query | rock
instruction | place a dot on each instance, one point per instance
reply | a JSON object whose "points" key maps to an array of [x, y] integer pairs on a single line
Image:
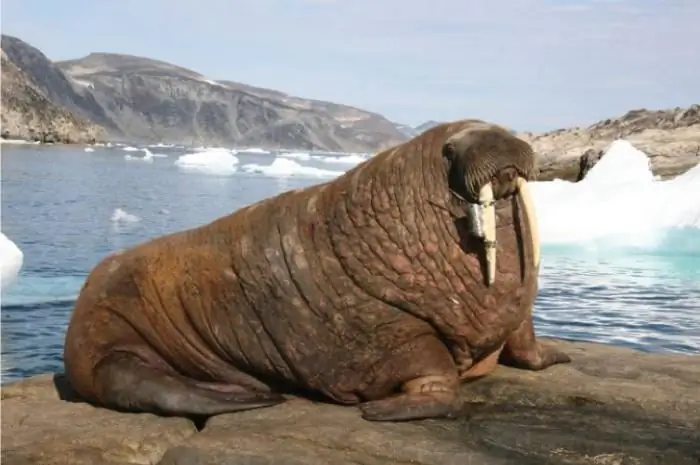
{"points": [[44, 423], [28, 114], [58, 88], [609, 406], [671, 139], [587, 161]]}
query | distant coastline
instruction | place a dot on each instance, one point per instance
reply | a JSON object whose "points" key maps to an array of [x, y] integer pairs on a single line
{"points": [[671, 139], [101, 97]]}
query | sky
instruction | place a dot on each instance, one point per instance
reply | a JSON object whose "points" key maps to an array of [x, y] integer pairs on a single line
{"points": [[527, 64]]}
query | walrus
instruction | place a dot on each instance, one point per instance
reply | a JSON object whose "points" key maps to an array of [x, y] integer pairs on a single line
{"points": [[384, 288]]}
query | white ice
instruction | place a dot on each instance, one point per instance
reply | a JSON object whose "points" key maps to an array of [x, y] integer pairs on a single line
{"points": [[161, 145], [284, 167], [11, 260], [130, 149], [89, 149], [352, 159], [122, 216], [217, 161], [296, 155], [255, 150], [618, 203], [148, 156], [18, 141]]}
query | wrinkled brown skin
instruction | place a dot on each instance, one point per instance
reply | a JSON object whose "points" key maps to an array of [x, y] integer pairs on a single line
{"points": [[366, 290]]}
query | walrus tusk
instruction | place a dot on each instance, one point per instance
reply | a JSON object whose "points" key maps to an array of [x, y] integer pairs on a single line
{"points": [[529, 208], [483, 225], [488, 220]]}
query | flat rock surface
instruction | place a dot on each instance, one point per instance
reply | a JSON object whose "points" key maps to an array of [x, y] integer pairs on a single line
{"points": [[609, 406], [38, 427]]}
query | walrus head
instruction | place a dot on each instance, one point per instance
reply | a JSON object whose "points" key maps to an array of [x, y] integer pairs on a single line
{"points": [[487, 163]]}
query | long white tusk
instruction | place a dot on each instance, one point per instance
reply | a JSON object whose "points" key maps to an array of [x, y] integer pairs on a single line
{"points": [[529, 207], [488, 220]]}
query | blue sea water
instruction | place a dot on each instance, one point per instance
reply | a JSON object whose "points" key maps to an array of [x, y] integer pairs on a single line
{"points": [[67, 208]]}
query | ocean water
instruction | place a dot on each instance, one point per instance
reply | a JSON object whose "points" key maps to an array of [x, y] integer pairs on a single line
{"points": [[620, 258]]}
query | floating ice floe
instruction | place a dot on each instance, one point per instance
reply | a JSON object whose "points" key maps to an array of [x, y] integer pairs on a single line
{"points": [[217, 161], [284, 167], [620, 201], [11, 260]]}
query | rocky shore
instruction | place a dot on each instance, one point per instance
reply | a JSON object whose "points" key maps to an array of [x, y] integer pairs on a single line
{"points": [[610, 406], [671, 139]]}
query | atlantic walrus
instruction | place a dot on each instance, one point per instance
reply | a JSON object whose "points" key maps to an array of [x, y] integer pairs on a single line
{"points": [[385, 287]]}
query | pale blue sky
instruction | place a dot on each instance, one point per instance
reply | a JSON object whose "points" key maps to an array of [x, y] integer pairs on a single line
{"points": [[529, 64]]}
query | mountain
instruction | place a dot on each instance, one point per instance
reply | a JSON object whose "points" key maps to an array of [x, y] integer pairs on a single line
{"points": [[143, 100], [29, 112], [410, 131], [671, 138], [427, 125], [153, 100]]}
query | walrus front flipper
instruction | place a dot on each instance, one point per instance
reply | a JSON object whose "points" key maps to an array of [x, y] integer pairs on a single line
{"points": [[129, 384], [413, 406], [428, 380], [523, 350]]}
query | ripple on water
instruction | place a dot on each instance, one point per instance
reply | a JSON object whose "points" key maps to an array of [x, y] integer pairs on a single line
{"points": [[32, 338], [640, 305]]}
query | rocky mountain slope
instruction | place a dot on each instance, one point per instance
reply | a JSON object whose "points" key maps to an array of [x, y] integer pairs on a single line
{"points": [[670, 137], [29, 113], [139, 99], [414, 131], [157, 101], [427, 125]]}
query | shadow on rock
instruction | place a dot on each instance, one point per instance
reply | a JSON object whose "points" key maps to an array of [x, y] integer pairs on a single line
{"points": [[65, 389], [575, 434]]}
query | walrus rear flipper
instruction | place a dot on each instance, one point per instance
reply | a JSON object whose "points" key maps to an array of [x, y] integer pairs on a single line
{"points": [[129, 384]]}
